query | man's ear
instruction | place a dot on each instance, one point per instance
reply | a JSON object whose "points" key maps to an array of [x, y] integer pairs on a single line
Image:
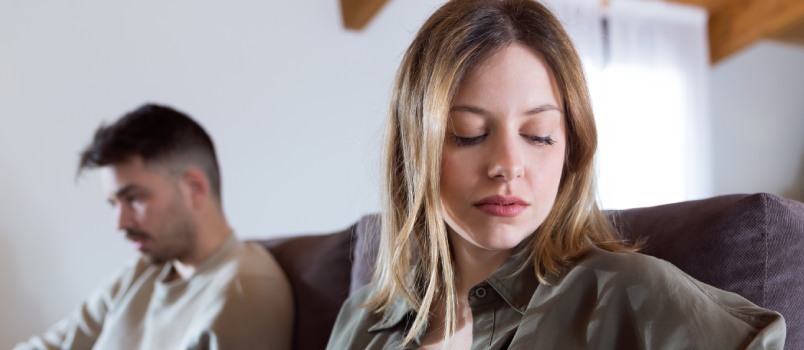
{"points": [[197, 185]]}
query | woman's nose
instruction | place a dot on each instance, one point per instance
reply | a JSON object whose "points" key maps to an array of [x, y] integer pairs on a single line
{"points": [[506, 161]]}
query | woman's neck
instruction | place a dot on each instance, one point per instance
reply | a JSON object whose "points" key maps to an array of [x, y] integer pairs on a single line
{"points": [[473, 264]]}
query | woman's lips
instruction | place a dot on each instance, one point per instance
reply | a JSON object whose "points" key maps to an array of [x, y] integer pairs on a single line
{"points": [[505, 206]]}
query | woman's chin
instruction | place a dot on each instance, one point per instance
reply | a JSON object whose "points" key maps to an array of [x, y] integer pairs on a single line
{"points": [[498, 242], [491, 236]]}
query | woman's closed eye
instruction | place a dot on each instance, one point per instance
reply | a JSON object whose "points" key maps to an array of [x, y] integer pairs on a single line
{"points": [[540, 140], [467, 140], [473, 140]]}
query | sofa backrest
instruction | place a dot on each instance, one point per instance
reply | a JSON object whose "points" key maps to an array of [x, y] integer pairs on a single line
{"points": [[319, 269], [752, 245]]}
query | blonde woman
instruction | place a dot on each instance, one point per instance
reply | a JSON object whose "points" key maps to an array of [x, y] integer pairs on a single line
{"points": [[491, 236]]}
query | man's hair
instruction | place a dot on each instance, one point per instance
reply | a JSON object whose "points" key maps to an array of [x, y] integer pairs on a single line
{"points": [[162, 136]]}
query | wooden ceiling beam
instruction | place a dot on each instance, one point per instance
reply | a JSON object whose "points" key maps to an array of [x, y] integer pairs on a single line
{"points": [[710, 5], [733, 24], [357, 13], [793, 34], [736, 24], [744, 22]]}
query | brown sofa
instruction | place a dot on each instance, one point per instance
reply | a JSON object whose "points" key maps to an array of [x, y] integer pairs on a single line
{"points": [[749, 244]]}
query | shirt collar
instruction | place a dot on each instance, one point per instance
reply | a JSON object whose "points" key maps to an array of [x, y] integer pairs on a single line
{"points": [[515, 281], [228, 245]]}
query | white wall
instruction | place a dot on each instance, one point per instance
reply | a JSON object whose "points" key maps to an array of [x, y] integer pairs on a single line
{"points": [[294, 102], [758, 121]]}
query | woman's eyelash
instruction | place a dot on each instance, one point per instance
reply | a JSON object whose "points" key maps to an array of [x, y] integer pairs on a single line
{"points": [[544, 140], [468, 141]]}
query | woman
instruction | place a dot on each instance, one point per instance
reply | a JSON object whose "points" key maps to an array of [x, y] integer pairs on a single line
{"points": [[491, 235]]}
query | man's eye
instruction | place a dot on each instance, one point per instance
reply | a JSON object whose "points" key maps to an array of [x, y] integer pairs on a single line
{"points": [[468, 141]]}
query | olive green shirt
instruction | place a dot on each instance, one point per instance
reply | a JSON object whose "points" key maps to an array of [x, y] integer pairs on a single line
{"points": [[604, 301]]}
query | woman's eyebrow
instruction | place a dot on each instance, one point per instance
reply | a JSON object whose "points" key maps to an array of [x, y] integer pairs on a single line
{"points": [[470, 109], [483, 112], [542, 108]]}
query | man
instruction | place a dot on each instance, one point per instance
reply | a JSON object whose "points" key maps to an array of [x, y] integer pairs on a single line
{"points": [[195, 286]]}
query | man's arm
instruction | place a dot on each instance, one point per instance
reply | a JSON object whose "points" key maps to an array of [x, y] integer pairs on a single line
{"points": [[78, 331], [81, 328]]}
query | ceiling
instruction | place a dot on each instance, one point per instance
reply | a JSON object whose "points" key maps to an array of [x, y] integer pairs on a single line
{"points": [[733, 24]]}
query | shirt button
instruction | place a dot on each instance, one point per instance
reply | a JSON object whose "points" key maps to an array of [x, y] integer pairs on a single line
{"points": [[480, 292]]}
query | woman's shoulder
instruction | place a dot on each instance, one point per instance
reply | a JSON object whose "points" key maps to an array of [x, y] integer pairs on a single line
{"points": [[655, 300], [354, 310], [652, 278], [359, 326], [625, 266]]}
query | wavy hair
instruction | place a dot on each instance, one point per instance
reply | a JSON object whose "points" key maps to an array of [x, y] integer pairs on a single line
{"points": [[415, 261]]}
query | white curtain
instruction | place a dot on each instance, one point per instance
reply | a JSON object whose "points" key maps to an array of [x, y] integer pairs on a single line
{"points": [[647, 65]]}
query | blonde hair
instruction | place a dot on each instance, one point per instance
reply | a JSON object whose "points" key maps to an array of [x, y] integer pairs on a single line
{"points": [[415, 260]]}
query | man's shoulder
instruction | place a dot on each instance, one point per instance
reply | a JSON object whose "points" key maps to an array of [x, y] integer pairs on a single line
{"points": [[251, 298], [253, 260], [248, 270]]}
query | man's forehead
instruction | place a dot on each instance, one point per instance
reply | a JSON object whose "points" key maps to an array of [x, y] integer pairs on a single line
{"points": [[132, 172]]}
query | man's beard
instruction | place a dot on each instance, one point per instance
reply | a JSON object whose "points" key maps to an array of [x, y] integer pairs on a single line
{"points": [[177, 242]]}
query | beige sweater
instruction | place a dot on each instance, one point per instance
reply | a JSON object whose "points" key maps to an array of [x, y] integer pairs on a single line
{"points": [[238, 299]]}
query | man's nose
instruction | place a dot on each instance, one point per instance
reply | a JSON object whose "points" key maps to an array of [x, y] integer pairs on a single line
{"points": [[124, 217], [506, 161]]}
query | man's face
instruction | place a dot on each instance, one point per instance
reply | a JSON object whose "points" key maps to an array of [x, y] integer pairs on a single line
{"points": [[151, 209]]}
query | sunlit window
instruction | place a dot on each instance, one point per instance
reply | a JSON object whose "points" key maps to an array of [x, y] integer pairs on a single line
{"points": [[647, 67], [642, 135]]}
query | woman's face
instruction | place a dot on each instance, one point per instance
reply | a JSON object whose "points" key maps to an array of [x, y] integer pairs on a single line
{"points": [[503, 152]]}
